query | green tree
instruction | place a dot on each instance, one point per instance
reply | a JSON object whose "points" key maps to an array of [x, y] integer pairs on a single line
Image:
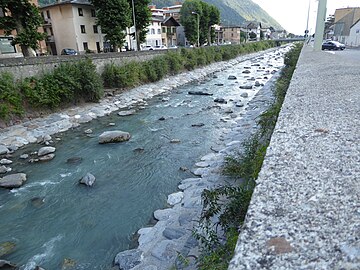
{"points": [[113, 16], [142, 19], [25, 18], [191, 12]]}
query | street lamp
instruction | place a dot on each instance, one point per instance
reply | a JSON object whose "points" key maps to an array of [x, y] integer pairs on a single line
{"points": [[320, 25], [198, 27], [135, 36]]}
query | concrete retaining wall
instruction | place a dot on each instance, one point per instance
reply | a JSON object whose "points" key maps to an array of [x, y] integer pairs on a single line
{"points": [[27, 67]]}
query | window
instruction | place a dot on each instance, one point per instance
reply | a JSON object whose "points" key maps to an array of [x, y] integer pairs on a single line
{"points": [[48, 14], [164, 29], [81, 13], [83, 30], [51, 31], [93, 13], [152, 31], [159, 31], [86, 47], [174, 30], [95, 27]]}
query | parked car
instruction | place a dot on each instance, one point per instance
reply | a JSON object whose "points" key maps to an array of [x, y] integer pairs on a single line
{"points": [[173, 47], [147, 48], [332, 45], [69, 51], [160, 47]]}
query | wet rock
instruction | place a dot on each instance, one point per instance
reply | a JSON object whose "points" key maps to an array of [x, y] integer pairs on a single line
{"points": [[24, 156], [175, 141], [175, 198], [162, 118], [246, 86], [47, 157], [111, 124], [88, 180], [165, 251], [88, 131], [183, 168], [220, 100], [246, 71], [13, 180], [43, 139], [33, 160], [68, 264], [128, 259], [139, 149], [257, 83], [228, 111], [172, 233], [3, 150], [5, 161], [219, 84], [255, 65], [126, 113], [7, 265], [244, 95], [198, 125], [46, 150], [114, 136], [37, 202], [4, 169], [7, 248], [199, 93], [232, 77], [74, 160]]}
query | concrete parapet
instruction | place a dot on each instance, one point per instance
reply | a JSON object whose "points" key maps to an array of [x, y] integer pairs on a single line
{"points": [[305, 210]]}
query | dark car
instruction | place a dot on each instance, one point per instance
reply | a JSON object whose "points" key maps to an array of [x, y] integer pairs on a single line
{"points": [[332, 45], [69, 52]]}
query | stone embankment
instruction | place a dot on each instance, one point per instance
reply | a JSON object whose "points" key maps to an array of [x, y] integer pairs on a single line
{"points": [[305, 210]]}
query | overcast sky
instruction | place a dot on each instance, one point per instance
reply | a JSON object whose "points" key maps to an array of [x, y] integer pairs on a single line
{"points": [[292, 14]]}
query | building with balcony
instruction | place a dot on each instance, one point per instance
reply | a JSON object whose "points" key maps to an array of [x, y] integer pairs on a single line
{"points": [[72, 24]]}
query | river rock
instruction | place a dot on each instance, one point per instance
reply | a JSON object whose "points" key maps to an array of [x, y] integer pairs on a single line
{"points": [[74, 160], [232, 77], [5, 161], [13, 180], [37, 202], [3, 150], [257, 83], [24, 156], [126, 113], [88, 131], [4, 169], [175, 141], [47, 157], [128, 259], [246, 87], [244, 95], [162, 118], [175, 198], [199, 93], [68, 264], [114, 136], [7, 248], [220, 100], [173, 233], [7, 265], [246, 71], [88, 180], [46, 150], [198, 125], [219, 84]]}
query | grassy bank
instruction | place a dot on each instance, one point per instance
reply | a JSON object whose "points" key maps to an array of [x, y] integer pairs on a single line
{"points": [[224, 208], [72, 83]]}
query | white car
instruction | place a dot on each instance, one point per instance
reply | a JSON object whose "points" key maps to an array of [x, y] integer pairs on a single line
{"points": [[147, 48], [160, 47]]}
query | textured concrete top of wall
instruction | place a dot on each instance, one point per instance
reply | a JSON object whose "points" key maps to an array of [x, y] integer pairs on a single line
{"points": [[305, 210]]}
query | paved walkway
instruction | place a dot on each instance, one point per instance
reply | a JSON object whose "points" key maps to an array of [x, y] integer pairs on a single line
{"points": [[305, 211]]}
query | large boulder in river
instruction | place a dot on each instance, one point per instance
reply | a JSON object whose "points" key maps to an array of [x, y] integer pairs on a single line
{"points": [[128, 259], [114, 136], [88, 180], [7, 248], [3, 150], [13, 180], [46, 150]]}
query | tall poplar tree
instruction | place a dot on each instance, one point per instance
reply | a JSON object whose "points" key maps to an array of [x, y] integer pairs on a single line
{"points": [[142, 19], [113, 16], [24, 17]]}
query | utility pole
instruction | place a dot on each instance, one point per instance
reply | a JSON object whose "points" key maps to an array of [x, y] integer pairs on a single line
{"points": [[307, 22], [320, 25], [198, 27], [135, 35]]}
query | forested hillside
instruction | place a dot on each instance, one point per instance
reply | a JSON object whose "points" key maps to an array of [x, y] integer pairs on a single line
{"points": [[233, 12]]}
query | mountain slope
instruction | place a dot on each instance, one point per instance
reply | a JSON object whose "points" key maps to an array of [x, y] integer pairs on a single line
{"points": [[233, 12]]}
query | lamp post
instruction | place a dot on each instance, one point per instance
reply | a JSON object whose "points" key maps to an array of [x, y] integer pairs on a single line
{"points": [[320, 25], [135, 36], [198, 27]]}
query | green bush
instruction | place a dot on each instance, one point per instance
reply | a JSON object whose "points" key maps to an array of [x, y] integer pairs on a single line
{"points": [[175, 62], [10, 97]]}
